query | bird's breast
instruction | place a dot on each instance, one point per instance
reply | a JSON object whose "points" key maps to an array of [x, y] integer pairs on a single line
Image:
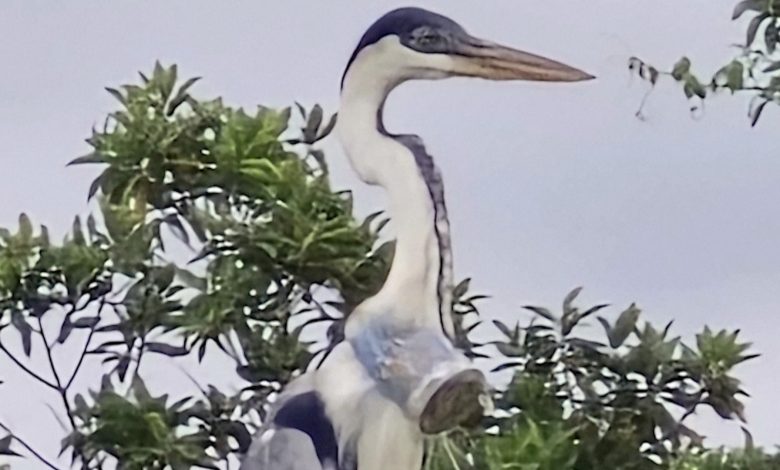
{"points": [[406, 364]]}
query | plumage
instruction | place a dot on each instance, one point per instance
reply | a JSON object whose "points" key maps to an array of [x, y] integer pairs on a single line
{"points": [[402, 23], [305, 412], [397, 375]]}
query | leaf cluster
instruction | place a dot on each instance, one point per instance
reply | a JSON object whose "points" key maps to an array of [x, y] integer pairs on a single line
{"points": [[754, 70], [581, 402]]}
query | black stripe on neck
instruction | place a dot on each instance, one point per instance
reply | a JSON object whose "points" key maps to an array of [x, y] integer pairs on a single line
{"points": [[435, 185]]}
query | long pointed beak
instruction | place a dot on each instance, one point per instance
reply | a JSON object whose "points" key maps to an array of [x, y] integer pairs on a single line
{"points": [[479, 58]]}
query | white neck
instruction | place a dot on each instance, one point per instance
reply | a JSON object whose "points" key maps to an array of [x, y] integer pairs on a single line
{"points": [[411, 294]]}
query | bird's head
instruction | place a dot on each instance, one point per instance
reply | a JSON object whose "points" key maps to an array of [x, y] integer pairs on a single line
{"points": [[413, 43]]}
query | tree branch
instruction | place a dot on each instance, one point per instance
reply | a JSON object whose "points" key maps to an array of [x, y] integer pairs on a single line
{"points": [[86, 346], [29, 371], [62, 391], [28, 447]]}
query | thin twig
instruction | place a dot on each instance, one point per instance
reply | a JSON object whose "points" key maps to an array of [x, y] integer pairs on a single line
{"points": [[26, 369], [86, 346], [28, 447], [49, 355], [62, 391]]}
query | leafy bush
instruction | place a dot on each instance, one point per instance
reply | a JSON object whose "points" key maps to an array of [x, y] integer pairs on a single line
{"points": [[273, 245], [754, 71]]}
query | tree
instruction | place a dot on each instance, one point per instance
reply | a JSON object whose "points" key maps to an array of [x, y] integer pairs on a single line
{"points": [[279, 253], [755, 70]]}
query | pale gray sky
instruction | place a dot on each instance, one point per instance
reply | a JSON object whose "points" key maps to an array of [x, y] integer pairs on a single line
{"points": [[549, 187]]}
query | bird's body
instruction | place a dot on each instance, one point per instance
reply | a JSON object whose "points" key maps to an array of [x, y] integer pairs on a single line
{"points": [[397, 376], [364, 403]]}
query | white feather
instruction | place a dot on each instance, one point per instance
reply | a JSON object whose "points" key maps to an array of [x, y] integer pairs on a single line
{"points": [[410, 292]]}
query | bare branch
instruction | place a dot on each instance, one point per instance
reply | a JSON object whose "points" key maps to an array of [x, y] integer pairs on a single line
{"points": [[29, 371], [27, 446]]}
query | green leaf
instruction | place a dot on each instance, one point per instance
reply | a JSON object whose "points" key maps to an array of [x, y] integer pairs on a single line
{"points": [[746, 358], [770, 37], [117, 94], [461, 288], [313, 124], [166, 79], [681, 68], [122, 366], [65, 330], [78, 232], [92, 226], [570, 297], [86, 322], [749, 443], [752, 29], [191, 279], [693, 87], [773, 67], [301, 110], [166, 349], [624, 326], [44, 238], [88, 158], [366, 225], [503, 328], [202, 351], [25, 227], [653, 72], [96, 184], [542, 312], [163, 276], [328, 127], [506, 365], [510, 350], [139, 390], [745, 5], [181, 95], [319, 157], [24, 329], [5, 447], [158, 73], [591, 311], [735, 76], [756, 112]]}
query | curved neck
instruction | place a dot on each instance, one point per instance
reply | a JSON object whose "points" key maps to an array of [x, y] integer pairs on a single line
{"points": [[418, 289]]}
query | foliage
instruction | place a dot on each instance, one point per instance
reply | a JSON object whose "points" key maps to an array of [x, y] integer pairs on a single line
{"points": [[255, 206], [755, 70], [274, 251], [741, 459], [577, 403]]}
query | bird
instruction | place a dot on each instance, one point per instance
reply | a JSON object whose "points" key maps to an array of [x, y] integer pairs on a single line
{"points": [[397, 375]]}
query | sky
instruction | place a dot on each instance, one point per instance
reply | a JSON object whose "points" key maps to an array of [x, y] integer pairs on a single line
{"points": [[549, 186]]}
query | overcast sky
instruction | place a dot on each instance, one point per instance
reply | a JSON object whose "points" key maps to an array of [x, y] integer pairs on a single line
{"points": [[549, 186]]}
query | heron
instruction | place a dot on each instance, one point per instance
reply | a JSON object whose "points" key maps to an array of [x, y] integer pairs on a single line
{"points": [[397, 376]]}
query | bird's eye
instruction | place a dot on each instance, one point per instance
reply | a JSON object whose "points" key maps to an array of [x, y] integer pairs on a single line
{"points": [[430, 38], [427, 37]]}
